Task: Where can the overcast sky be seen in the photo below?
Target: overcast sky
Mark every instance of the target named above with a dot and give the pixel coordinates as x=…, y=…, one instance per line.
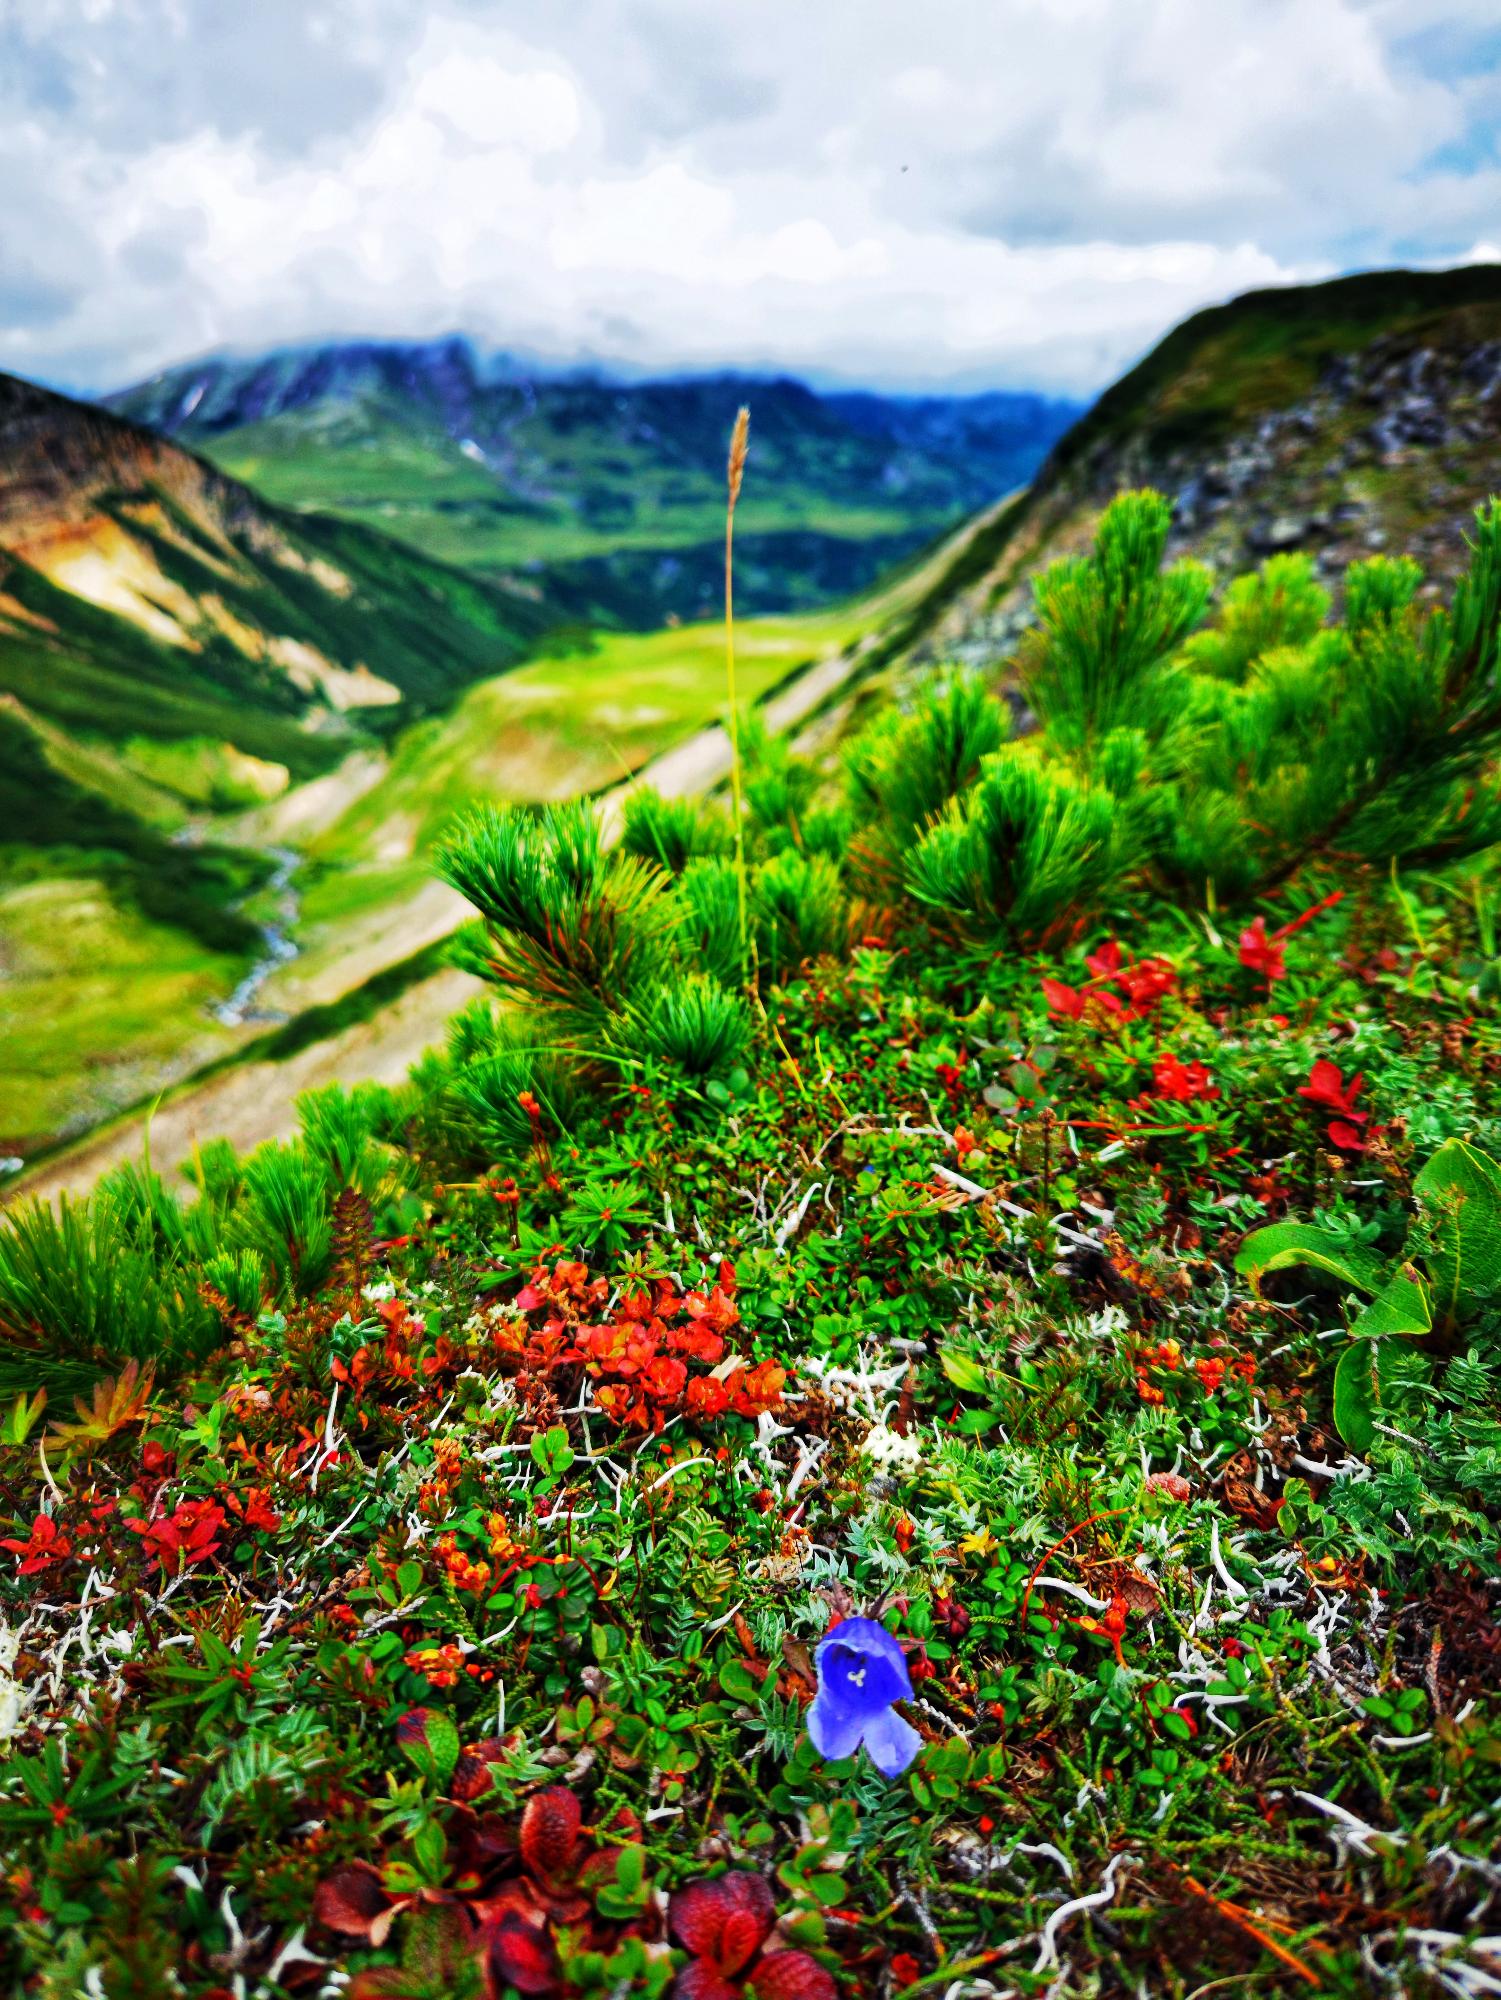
x=900, y=192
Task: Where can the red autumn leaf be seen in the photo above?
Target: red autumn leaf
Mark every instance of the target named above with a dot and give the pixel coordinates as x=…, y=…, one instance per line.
x=1180, y=1081
x=412, y=1726
x=698, y=1980
x=791, y=1975
x=1146, y=983
x=44, y=1546
x=1061, y=999
x=726, y=1920
x=664, y=1378
x=1263, y=954
x=519, y=1955
x=550, y=1830
x=437, y=1952
x=471, y=1778
x=707, y=1397
x=1327, y=1087
x=1171, y=1483
x=352, y=1902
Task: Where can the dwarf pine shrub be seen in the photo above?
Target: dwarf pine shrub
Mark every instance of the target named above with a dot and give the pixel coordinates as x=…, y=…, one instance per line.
x=1020, y=855
x=1370, y=742
x=344, y=1131
x=672, y=832
x=1109, y=626
x=903, y=769
x=691, y=1024
x=486, y=1090
x=287, y=1216
x=799, y=910
x=709, y=897
x=89, y=1285
x=571, y=930
x=1281, y=604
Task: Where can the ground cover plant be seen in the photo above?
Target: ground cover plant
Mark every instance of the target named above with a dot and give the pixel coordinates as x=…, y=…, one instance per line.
x=924, y=1421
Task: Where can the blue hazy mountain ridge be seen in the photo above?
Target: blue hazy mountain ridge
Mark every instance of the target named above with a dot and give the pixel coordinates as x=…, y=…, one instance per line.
x=612, y=485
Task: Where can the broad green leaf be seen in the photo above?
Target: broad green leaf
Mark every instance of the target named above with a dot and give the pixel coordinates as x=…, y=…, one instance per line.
x=1286, y=1244
x=1459, y=1191
x=963, y=1371
x=1402, y=1308
x=1357, y=1398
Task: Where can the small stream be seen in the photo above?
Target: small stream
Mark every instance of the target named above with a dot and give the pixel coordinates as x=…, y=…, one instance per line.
x=277, y=945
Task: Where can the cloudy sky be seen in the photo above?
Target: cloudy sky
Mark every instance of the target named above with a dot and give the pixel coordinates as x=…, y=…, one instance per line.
x=901, y=192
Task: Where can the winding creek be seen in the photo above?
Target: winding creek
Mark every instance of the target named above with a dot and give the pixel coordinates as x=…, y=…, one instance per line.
x=277, y=944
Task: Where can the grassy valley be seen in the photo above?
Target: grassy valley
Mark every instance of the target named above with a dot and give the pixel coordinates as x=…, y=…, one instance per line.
x=367, y=986
x=188, y=665
x=172, y=646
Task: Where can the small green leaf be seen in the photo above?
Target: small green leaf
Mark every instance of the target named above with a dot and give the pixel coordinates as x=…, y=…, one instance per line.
x=429, y=1740
x=738, y=1681
x=551, y=1451
x=975, y=1423
x=963, y=1371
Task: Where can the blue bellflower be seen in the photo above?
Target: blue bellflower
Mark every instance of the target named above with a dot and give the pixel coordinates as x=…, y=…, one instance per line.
x=861, y=1672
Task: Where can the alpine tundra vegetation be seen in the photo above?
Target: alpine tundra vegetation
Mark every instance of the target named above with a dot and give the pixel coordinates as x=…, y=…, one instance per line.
x=907, y=1404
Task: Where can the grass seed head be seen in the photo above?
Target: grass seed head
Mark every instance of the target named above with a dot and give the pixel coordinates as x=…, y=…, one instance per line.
x=739, y=443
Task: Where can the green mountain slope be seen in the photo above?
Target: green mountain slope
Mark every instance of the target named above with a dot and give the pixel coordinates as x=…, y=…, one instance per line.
x=1339, y=419
x=143, y=593
x=615, y=486
x=171, y=645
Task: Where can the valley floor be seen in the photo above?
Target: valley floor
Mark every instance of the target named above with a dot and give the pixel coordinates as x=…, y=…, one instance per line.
x=555, y=728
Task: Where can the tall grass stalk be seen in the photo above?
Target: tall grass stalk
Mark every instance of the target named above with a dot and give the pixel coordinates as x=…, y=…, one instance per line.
x=739, y=440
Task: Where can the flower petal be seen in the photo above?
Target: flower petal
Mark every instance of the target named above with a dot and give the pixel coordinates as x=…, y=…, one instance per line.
x=892, y=1743
x=834, y=1731
x=862, y=1666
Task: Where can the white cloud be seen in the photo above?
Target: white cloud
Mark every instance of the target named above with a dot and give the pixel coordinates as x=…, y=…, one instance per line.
x=1019, y=193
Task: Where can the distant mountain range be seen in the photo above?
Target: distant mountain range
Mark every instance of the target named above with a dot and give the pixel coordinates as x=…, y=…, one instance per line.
x=616, y=488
